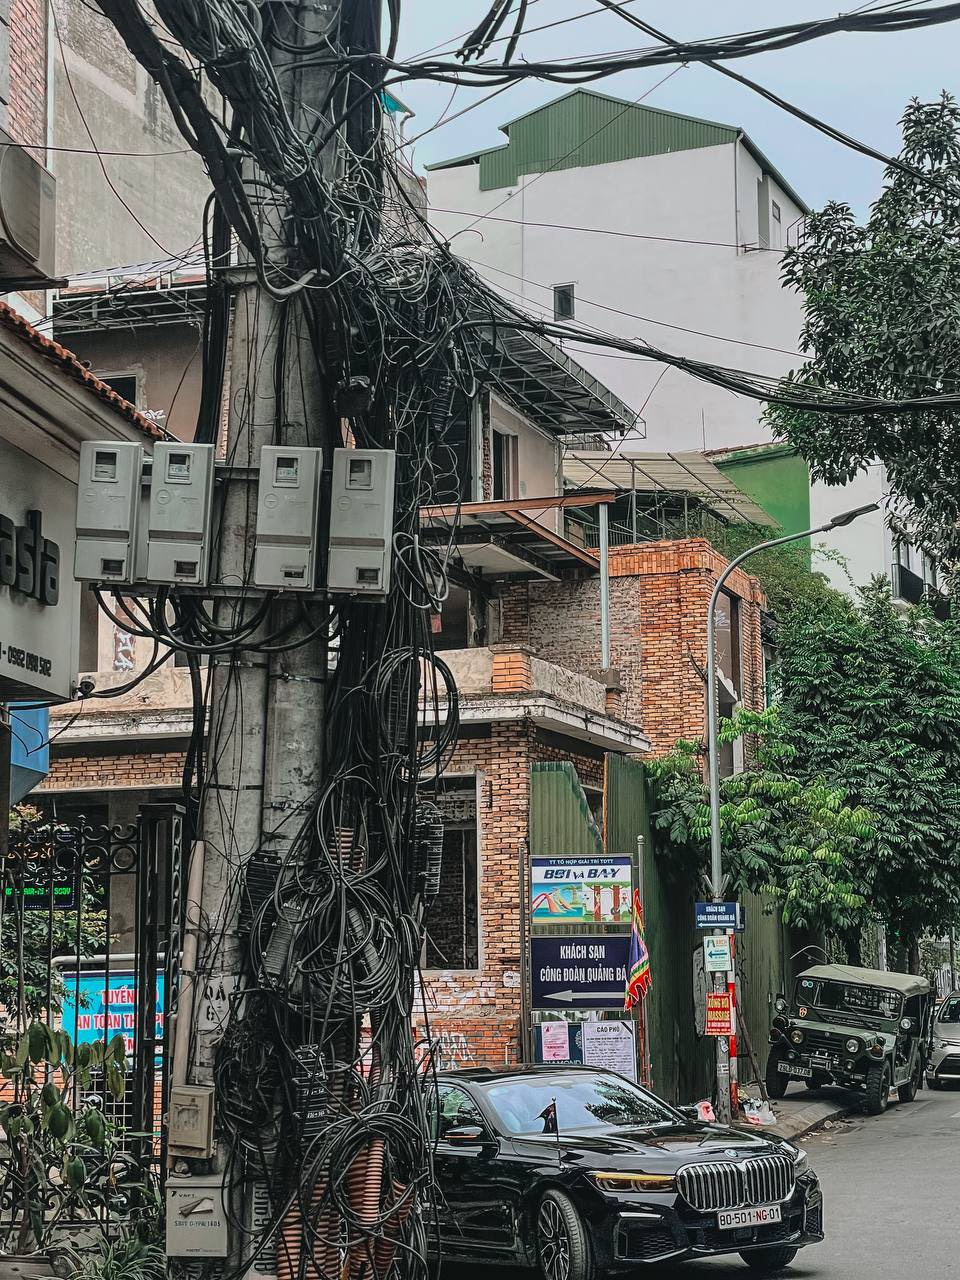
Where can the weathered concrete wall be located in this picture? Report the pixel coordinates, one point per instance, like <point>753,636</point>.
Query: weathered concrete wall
<point>124,111</point>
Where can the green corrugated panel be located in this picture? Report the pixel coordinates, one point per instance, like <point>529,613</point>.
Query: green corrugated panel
<point>760,968</point>
<point>586,128</point>
<point>680,1060</point>
<point>560,818</point>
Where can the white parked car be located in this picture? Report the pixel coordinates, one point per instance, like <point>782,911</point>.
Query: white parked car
<point>943,1065</point>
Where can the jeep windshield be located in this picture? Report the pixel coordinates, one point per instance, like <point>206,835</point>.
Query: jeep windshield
<point>847,1002</point>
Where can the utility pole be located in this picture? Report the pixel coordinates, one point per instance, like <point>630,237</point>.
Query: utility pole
<point>726,1064</point>
<point>267,725</point>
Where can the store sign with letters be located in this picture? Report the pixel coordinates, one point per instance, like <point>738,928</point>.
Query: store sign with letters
<point>606,1043</point>
<point>580,890</point>
<point>97,1006</point>
<point>588,972</point>
<point>716,953</point>
<point>39,606</point>
<point>719,1014</point>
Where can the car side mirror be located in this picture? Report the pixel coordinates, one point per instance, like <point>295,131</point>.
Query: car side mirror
<point>465,1135</point>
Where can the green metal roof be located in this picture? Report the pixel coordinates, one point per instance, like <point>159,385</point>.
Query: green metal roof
<point>586,128</point>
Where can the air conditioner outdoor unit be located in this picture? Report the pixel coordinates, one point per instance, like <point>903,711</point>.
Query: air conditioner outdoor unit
<point>28,205</point>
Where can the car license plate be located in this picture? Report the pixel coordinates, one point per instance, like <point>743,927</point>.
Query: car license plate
<point>729,1219</point>
<point>791,1069</point>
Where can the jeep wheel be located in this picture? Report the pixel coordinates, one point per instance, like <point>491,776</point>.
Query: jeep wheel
<point>878,1089</point>
<point>769,1260</point>
<point>775,1080</point>
<point>907,1092</point>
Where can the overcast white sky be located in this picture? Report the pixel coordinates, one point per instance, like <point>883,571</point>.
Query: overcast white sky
<point>859,83</point>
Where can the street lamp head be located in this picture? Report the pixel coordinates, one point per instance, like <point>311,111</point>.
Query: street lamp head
<point>848,517</point>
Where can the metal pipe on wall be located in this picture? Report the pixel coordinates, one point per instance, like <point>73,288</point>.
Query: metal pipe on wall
<point>604,588</point>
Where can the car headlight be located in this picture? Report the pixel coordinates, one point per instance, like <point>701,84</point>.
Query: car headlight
<point>610,1181</point>
<point>799,1157</point>
<point>854,1045</point>
<point>796,1036</point>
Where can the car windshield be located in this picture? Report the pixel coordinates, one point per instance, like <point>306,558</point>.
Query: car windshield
<point>949,1010</point>
<point>585,1100</point>
<point>847,999</point>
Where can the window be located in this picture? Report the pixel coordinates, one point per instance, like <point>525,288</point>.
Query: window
<point>584,1100</point>
<point>124,384</point>
<point>450,1107</point>
<point>775,212</point>
<point>564,302</point>
<point>453,926</point>
<point>728,639</point>
<point>505,466</point>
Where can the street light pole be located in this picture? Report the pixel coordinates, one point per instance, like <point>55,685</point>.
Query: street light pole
<point>726,1047</point>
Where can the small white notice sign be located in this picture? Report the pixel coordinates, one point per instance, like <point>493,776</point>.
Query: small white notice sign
<point>611,1045</point>
<point>716,953</point>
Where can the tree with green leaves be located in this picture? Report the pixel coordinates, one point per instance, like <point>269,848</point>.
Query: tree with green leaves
<point>882,318</point>
<point>794,839</point>
<point>871,703</point>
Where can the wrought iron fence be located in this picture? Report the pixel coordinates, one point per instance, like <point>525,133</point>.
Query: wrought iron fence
<point>90,933</point>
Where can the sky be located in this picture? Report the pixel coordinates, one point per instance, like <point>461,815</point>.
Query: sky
<point>858,83</point>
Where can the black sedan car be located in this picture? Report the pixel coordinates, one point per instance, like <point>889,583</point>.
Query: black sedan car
<point>581,1173</point>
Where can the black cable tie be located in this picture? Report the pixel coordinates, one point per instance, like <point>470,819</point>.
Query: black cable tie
<point>229,786</point>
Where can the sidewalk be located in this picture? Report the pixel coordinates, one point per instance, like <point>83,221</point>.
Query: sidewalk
<point>799,1113</point>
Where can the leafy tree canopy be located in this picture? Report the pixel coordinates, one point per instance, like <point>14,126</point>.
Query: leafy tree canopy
<point>883,319</point>
<point>871,703</point>
<point>795,840</point>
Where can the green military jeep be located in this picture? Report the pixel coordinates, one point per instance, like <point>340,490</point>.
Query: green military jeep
<point>859,1028</point>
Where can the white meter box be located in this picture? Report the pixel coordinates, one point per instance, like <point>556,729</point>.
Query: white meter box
<point>108,504</point>
<point>196,1217</point>
<point>361,521</point>
<point>181,506</point>
<point>288,511</point>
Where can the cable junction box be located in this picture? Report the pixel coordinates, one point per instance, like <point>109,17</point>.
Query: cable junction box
<point>181,505</point>
<point>288,512</point>
<point>361,521</point>
<point>108,505</point>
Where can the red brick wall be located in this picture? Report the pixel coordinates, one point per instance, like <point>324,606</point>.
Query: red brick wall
<point>27,114</point>
<point>104,773</point>
<point>658,606</point>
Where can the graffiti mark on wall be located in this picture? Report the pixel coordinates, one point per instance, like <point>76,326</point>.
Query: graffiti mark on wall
<point>452,1049</point>
<point>124,652</point>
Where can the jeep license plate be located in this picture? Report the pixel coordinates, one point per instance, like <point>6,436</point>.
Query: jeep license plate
<point>730,1219</point>
<point>792,1069</point>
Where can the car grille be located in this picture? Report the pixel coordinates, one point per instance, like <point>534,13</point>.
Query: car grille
<point>950,1066</point>
<point>828,1042</point>
<point>765,1180</point>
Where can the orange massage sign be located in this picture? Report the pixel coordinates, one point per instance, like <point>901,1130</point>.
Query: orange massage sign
<point>581,890</point>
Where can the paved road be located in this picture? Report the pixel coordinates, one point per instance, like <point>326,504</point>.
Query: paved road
<point>891,1188</point>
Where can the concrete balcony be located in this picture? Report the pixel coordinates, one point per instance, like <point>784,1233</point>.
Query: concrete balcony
<point>508,682</point>
<point>158,707</point>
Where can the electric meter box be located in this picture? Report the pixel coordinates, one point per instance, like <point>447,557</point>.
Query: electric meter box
<point>108,505</point>
<point>181,507</point>
<point>196,1218</point>
<point>288,512</point>
<point>361,521</point>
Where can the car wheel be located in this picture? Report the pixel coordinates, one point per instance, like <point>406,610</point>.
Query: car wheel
<point>769,1260</point>
<point>933,1083</point>
<point>775,1080</point>
<point>878,1089</point>
<point>563,1249</point>
<point>907,1092</point>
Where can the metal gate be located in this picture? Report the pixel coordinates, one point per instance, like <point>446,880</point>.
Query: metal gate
<point>90,935</point>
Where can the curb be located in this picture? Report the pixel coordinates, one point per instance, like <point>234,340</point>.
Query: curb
<point>803,1120</point>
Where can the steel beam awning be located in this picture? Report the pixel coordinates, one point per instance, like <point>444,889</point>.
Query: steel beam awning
<point>663,473</point>
<point>505,539</point>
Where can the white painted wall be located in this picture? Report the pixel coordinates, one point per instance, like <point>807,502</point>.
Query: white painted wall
<point>865,544</point>
<point>699,195</point>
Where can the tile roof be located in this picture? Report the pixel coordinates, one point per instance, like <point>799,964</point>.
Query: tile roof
<point>15,323</point>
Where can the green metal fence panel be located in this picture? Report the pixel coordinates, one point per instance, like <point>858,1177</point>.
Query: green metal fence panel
<point>680,1060</point>
<point>760,975</point>
<point>561,821</point>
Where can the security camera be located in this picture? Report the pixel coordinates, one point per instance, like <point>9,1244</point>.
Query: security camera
<point>86,687</point>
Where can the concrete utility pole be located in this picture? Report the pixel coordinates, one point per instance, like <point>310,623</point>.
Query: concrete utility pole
<point>266,735</point>
<point>726,1069</point>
